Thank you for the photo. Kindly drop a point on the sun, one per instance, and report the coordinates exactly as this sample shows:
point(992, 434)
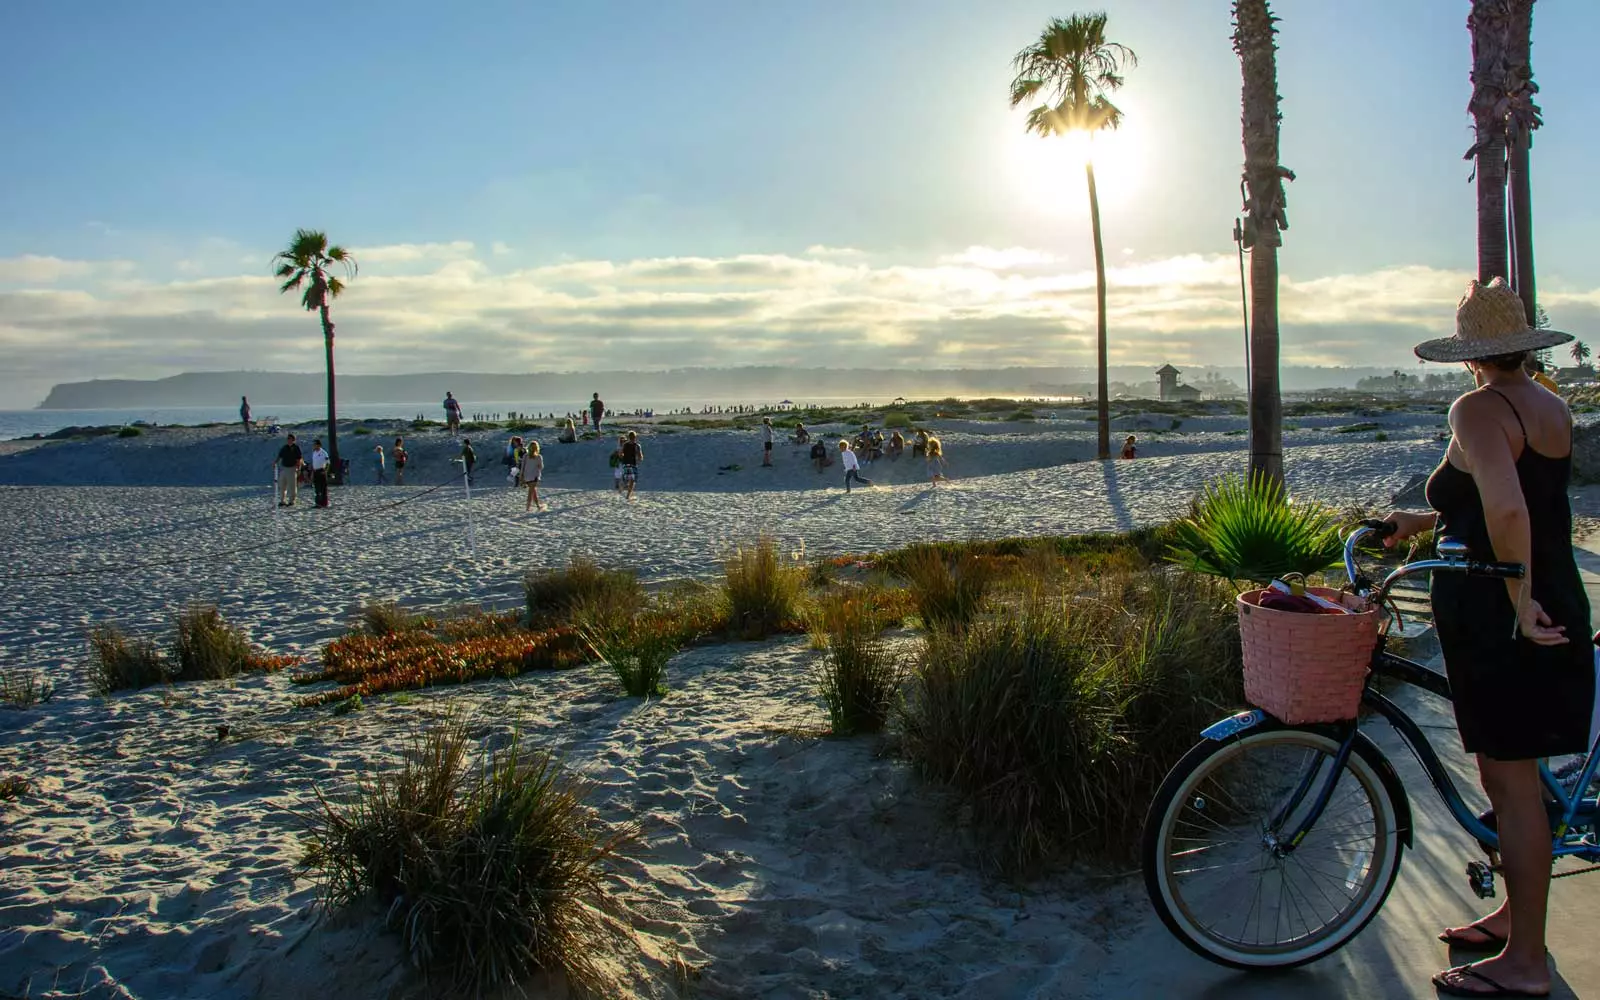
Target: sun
point(1047, 172)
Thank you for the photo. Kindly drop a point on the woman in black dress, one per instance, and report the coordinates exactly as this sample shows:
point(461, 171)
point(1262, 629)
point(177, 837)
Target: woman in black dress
point(1517, 651)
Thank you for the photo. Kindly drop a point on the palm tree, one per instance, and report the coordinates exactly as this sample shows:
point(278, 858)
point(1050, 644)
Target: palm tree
point(1264, 206)
point(1491, 24)
point(1073, 67)
point(1581, 354)
point(307, 262)
point(1523, 117)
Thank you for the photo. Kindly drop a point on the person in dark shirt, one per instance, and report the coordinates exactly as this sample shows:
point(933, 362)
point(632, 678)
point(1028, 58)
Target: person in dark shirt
point(632, 455)
point(244, 413)
point(469, 458)
point(597, 410)
point(288, 472)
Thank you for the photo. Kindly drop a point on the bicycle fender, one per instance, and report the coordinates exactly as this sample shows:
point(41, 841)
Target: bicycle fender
point(1233, 725)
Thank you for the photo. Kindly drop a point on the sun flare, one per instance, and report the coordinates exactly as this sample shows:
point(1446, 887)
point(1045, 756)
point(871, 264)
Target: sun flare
point(1047, 171)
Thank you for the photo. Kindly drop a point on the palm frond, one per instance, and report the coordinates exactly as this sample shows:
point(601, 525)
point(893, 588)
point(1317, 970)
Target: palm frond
point(335, 287)
point(293, 282)
point(345, 257)
point(1073, 65)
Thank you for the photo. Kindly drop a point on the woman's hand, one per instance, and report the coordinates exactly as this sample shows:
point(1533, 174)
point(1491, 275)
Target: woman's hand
point(1407, 523)
point(1537, 627)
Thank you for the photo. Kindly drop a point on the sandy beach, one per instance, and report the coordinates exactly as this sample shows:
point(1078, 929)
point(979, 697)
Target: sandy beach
point(153, 859)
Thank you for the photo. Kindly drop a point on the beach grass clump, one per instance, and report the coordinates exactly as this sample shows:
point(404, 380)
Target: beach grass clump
point(388, 618)
point(489, 868)
point(553, 594)
point(765, 591)
point(24, 688)
point(860, 676)
point(636, 645)
point(129, 432)
point(1241, 530)
point(120, 662)
point(13, 787)
point(207, 647)
point(369, 665)
point(949, 590)
point(896, 420)
point(1056, 723)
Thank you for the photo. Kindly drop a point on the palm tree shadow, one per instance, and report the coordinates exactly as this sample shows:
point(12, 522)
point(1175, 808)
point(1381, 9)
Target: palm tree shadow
point(1119, 507)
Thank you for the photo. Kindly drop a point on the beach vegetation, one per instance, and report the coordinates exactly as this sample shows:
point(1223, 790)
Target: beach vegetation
point(350, 704)
point(860, 676)
point(1056, 723)
point(1380, 436)
point(387, 618)
point(129, 432)
point(1022, 415)
point(13, 787)
point(362, 431)
point(551, 595)
point(636, 645)
point(948, 589)
point(896, 420)
point(1248, 530)
point(206, 647)
point(765, 590)
point(307, 263)
point(489, 868)
point(1361, 428)
point(120, 662)
point(24, 688)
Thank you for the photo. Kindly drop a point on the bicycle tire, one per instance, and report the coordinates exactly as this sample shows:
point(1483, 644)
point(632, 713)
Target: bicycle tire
point(1366, 764)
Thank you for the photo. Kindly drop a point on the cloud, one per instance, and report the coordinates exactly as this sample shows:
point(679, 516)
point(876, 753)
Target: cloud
point(428, 306)
point(499, 249)
point(833, 253)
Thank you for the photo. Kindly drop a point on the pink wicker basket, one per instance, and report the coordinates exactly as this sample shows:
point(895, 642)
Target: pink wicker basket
point(1303, 667)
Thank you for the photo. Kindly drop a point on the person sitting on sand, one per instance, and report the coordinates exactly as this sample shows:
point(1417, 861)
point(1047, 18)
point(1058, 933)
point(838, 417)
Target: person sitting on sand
point(569, 433)
point(934, 454)
point(819, 455)
point(469, 458)
point(1130, 447)
point(377, 463)
point(287, 469)
point(766, 442)
point(398, 453)
point(897, 446)
point(532, 472)
point(244, 413)
point(632, 455)
point(852, 466)
point(801, 435)
point(919, 444)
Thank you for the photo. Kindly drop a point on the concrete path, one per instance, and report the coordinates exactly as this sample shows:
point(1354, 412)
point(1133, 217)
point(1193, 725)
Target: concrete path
point(1397, 953)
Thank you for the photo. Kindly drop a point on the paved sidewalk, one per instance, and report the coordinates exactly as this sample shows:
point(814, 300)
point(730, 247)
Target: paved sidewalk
point(1397, 953)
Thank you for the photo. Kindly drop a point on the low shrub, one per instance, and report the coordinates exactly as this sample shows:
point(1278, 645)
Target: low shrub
point(1380, 436)
point(636, 646)
point(1022, 415)
point(552, 594)
point(764, 590)
point(361, 431)
point(948, 590)
point(24, 688)
point(207, 647)
point(13, 787)
point(129, 432)
point(1250, 531)
point(896, 420)
point(860, 678)
point(119, 662)
point(1056, 723)
point(387, 618)
point(489, 870)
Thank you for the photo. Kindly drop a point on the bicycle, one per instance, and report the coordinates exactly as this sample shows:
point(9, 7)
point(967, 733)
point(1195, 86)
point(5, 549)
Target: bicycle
point(1270, 846)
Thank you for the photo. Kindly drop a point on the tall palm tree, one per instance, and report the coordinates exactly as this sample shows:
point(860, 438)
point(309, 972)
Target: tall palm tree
point(1266, 218)
point(1492, 27)
point(1523, 117)
point(1581, 353)
point(1072, 67)
point(307, 262)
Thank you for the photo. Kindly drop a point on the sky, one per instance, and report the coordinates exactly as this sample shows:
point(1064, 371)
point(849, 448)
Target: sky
point(610, 184)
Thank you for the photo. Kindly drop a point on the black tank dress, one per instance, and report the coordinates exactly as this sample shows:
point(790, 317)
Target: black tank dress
point(1514, 699)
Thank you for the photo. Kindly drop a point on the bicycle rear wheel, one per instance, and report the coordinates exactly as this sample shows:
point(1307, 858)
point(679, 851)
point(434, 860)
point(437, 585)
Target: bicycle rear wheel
point(1219, 874)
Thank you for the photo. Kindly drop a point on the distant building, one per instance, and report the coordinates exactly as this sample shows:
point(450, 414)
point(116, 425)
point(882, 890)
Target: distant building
point(1171, 390)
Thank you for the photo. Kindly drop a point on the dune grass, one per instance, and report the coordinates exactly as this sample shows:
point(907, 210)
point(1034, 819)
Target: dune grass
point(206, 647)
point(24, 688)
point(1056, 721)
point(948, 589)
point(636, 645)
point(489, 868)
point(765, 591)
point(860, 678)
point(120, 662)
point(552, 595)
point(13, 787)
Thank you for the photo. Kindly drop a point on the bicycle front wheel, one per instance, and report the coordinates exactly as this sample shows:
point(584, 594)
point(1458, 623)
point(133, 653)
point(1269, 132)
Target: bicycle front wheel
point(1221, 873)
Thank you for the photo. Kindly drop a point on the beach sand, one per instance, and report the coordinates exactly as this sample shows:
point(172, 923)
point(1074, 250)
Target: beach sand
point(153, 859)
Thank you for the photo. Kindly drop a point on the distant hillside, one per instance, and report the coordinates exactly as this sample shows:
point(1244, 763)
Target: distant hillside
point(708, 385)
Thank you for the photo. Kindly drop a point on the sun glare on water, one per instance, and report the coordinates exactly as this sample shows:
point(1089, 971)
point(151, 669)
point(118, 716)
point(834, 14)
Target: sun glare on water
point(1047, 172)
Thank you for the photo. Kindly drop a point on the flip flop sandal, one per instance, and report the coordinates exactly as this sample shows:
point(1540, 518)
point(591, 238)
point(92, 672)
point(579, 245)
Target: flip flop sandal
point(1483, 939)
point(1448, 988)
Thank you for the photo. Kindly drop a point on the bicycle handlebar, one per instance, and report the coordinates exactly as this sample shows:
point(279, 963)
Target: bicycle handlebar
point(1451, 562)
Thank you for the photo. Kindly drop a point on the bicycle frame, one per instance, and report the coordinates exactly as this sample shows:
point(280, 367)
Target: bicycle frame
point(1565, 810)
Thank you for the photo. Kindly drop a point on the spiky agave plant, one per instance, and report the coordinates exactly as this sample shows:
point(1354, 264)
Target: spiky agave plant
point(1248, 530)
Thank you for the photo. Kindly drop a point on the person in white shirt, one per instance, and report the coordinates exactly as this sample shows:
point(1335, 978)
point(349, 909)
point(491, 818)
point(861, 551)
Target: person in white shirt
point(766, 442)
point(319, 472)
point(852, 466)
point(532, 470)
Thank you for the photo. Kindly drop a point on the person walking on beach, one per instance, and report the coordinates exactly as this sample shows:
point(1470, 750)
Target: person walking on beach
point(935, 459)
point(512, 460)
point(244, 413)
point(852, 465)
point(377, 463)
point(1130, 448)
point(469, 458)
point(398, 453)
point(319, 472)
point(632, 455)
point(597, 410)
point(452, 414)
point(532, 472)
point(288, 471)
point(616, 463)
point(766, 442)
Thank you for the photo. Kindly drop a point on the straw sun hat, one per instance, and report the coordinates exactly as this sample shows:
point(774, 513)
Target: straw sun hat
point(1489, 322)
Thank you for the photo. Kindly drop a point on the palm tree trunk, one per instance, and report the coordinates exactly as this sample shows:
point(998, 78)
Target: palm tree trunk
point(335, 474)
point(1493, 258)
point(1263, 175)
point(1489, 25)
point(1520, 193)
point(1103, 416)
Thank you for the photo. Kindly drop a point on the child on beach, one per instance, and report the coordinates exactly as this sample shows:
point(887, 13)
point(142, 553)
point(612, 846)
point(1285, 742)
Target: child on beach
point(398, 453)
point(532, 471)
point(897, 445)
point(919, 444)
point(852, 466)
point(469, 458)
point(766, 442)
point(616, 462)
point(569, 433)
point(935, 457)
point(632, 455)
point(377, 463)
point(1130, 447)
